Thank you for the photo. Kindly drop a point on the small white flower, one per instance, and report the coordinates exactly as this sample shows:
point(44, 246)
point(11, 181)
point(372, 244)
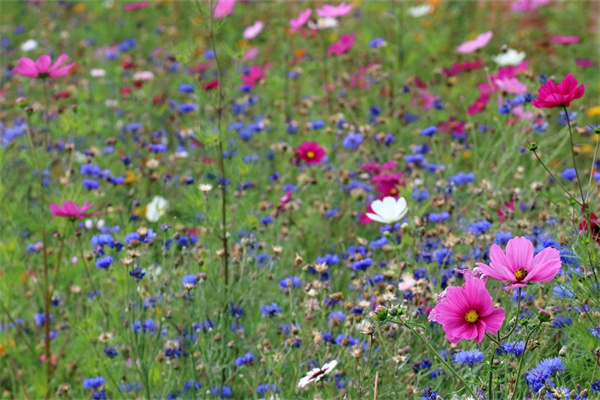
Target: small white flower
point(388, 210)
point(420, 11)
point(156, 209)
point(324, 23)
point(29, 45)
point(97, 73)
point(143, 76)
point(509, 57)
point(316, 374)
point(205, 187)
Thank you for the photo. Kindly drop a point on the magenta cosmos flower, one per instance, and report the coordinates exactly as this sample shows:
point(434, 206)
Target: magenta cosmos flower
point(43, 67)
point(297, 23)
point(224, 8)
point(475, 44)
point(343, 45)
point(310, 152)
point(551, 95)
point(468, 312)
point(518, 266)
point(71, 210)
point(253, 30)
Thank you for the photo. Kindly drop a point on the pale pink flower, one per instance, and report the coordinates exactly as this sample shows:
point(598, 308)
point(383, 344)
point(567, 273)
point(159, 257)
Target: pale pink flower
point(565, 39)
point(511, 85)
point(528, 5)
point(335, 11)
point(42, 67)
point(468, 312)
point(250, 54)
point(518, 266)
point(475, 44)
point(135, 6)
point(299, 22)
point(253, 30)
point(224, 8)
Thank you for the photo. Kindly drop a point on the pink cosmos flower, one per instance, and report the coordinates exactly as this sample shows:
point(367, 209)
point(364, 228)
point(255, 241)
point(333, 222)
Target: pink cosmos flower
point(518, 266)
point(42, 68)
point(585, 62)
point(479, 104)
point(135, 6)
point(253, 30)
point(551, 95)
point(71, 210)
point(343, 45)
point(254, 75)
point(387, 184)
point(310, 152)
point(528, 5)
point(334, 11)
point(565, 39)
point(468, 312)
point(224, 8)
point(250, 54)
point(424, 100)
point(511, 85)
point(475, 44)
point(375, 168)
point(299, 22)
point(457, 68)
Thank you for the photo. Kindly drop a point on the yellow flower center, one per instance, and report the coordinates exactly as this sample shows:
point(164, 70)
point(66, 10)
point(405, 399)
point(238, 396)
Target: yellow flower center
point(520, 274)
point(471, 316)
point(310, 155)
point(394, 191)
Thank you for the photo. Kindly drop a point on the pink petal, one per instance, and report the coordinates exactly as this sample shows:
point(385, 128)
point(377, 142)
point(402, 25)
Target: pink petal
point(43, 63)
point(519, 251)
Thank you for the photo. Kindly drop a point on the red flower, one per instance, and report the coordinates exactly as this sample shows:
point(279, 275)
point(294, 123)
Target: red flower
point(551, 95)
point(310, 152)
point(594, 223)
point(211, 85)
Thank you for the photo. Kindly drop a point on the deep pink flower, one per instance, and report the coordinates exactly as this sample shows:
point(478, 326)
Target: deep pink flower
point(334, 11)
point(343, 45)
point(585, 62)
point(299, 22)
point(423, 99)
point(387, 184)
point(375, 168)
point(551, 95)
point(254, 75)
point(135, 6)
point(42, 67)
point(310, 152)
point(479, 104)
point(518, 266)
point(71, 210)
point(475, 44)
point(468, 312)
point(224, 8)
point(565, 39)
point(457, 68)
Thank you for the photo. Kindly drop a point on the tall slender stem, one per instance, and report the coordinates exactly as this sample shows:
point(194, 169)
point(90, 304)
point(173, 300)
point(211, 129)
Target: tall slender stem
point(516, 318)
point(523, 357)
point(553, 177)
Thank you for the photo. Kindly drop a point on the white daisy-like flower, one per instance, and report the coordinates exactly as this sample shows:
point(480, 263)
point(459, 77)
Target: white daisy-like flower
point(156, 209)
point(509, 57)
point(324, 23)
point(98, 73)
point(388, 210)
point(205, 187)
point(29, 45)
point(420, 11)
point(143, 76)
point(316, 374)
point(408, 281)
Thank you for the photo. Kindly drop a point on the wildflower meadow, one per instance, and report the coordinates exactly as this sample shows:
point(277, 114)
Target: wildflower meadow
point(300, 199)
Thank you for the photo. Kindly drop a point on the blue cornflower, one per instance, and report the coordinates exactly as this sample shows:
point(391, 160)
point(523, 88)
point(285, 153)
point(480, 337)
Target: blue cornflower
point(353, 140)
point(569, 174)
point(90, 184)
point(468, 357)
point(291, 282)
point(339, 316)
point(318, 124)
point(516, 348)
point(462, 178)
point(362, 265)
point(111, 352)
point(596, 331)
point(93, 383)
point(377, 42)
point(270, 310)
point(420, 194)
point(537, 377)
point(236, 311)
point(104, 262)
point(137, 273)
point(186, 88)
point(479, 227)
point(189, 281)
point(429, 131)
point(223, 392)
point(247, 358)
point(429, 394)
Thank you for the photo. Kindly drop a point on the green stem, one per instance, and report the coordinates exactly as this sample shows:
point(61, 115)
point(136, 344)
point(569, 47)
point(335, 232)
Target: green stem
point(555, 180)
point(523, 357)
point(516, 318)
point(428, 344)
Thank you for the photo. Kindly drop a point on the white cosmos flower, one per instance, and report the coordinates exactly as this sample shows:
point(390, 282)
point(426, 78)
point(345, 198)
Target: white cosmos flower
point(315, 374)
point(509, 57)
point(29, 45)
point(324, 23)
point(156, 209)
point(420, 11)
point(388, 210)
point(97, 73)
